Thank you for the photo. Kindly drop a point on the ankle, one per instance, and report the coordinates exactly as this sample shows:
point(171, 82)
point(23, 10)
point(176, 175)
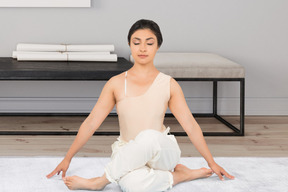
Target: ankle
point(177, 178)
point(104, 179)
point(99, 183)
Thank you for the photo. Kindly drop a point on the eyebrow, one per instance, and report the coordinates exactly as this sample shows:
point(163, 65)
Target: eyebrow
point(140, 39)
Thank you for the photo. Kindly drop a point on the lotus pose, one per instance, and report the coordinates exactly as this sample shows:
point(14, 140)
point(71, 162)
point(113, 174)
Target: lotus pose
point(145, 156)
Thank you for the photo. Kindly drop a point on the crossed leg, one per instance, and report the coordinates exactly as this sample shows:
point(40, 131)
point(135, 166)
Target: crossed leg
point(146, 146)
point(181, 174)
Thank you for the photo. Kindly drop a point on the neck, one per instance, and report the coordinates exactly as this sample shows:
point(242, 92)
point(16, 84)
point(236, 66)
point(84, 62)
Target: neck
point(145, 69)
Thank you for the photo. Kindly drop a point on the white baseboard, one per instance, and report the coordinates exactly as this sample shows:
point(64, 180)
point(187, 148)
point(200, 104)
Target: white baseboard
point(226, 106)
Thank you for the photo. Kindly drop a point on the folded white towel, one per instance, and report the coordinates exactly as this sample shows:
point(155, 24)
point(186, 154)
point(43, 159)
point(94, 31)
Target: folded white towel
point(62, 47)
point(40, 47)
point(106, 58)
point(46, 56)
point(58, 56)
point(109, 48)
point(16, 53)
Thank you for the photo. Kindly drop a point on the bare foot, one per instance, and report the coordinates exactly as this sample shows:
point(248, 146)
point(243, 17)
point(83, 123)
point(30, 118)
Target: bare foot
point(182, 173)
point(76, 183)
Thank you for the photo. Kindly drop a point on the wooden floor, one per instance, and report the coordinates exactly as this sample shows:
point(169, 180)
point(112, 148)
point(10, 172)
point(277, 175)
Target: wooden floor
point(264, 137)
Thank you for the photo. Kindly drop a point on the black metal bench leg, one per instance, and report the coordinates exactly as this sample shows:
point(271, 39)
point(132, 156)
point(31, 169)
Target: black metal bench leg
point(236, 131)
point(215, 114)
point(242, 106)
point(215, 97)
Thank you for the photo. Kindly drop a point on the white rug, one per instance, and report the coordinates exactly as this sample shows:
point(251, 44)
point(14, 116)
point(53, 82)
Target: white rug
point(25, 174)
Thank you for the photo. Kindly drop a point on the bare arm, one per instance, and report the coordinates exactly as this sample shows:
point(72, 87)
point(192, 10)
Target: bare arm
point(100, 111)
point(181, 111)
point(98, 114)
point(178, 106)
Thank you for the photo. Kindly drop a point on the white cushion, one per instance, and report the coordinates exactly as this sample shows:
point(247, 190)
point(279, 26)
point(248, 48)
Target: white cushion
point(197, 65)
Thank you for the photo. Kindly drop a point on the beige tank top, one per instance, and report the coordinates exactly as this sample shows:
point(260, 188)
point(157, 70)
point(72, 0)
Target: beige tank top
point(146, 111)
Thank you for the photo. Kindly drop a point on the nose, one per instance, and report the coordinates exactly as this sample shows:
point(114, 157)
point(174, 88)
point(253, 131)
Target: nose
point(143, 47)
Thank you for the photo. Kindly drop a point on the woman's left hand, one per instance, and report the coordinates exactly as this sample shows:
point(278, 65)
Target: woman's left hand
point(218, 170)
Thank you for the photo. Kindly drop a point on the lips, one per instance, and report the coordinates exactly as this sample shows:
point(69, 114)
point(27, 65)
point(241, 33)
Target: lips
point(142, 56)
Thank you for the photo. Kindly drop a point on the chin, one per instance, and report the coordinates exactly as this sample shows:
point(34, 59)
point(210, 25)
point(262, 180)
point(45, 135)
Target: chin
point(143, 61)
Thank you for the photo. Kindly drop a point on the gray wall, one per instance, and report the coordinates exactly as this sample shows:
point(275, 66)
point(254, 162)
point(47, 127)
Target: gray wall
point(251, 33)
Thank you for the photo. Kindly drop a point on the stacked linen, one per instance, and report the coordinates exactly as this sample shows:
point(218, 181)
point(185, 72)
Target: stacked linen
point(61, 52)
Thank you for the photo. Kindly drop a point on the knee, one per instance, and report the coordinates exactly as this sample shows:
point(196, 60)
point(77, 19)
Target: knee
point(134, 187)
point(131, 185)
point(146, 180)
point(136, 181)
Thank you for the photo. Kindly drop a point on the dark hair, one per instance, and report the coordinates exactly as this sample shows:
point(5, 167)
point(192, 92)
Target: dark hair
point(146, 24)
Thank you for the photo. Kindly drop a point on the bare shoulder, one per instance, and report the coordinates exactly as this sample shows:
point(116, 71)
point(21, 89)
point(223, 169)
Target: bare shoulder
point(175, 88)
point(116, 86)
point(114, 81)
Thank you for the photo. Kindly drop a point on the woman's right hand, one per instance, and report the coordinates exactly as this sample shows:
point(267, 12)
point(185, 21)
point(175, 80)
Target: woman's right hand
point(63, 166)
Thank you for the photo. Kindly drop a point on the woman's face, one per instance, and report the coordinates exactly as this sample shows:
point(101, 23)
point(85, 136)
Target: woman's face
point(143, 45)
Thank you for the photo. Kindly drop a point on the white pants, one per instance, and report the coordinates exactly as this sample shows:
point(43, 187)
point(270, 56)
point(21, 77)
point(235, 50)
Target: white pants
point(144, 164)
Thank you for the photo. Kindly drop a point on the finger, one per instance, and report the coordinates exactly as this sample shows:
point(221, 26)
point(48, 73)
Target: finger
point(220, 176)
point(228, 175)
point(63, 174)
point(51, 174)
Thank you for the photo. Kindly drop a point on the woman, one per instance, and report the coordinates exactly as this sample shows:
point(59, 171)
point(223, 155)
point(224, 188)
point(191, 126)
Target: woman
point(145, 157)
